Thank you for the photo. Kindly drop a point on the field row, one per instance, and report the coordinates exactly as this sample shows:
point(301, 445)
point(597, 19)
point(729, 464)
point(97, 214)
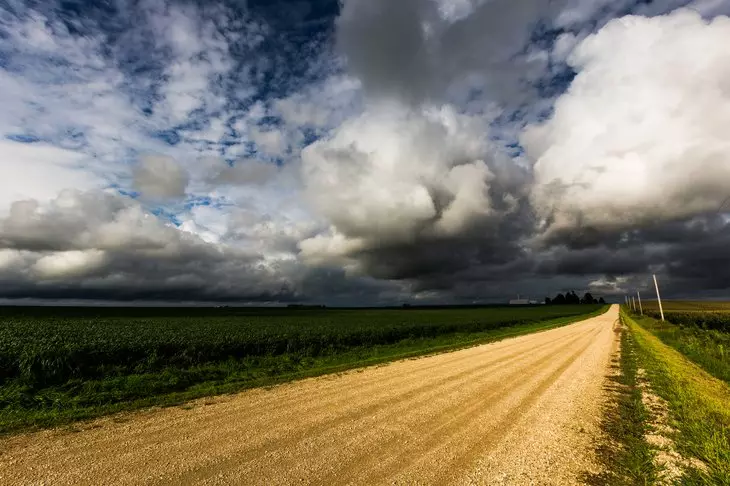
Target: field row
point(718, 321)
point(707, 315)
point(687, 306)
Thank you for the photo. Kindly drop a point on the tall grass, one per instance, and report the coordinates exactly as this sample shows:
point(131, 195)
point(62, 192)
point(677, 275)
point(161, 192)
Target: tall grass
point(702, 344)
point(699, 405)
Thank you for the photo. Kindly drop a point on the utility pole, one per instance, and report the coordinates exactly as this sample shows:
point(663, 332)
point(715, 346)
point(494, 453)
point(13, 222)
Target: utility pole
point(641, 310)
point(658, 298)
point(633, 304)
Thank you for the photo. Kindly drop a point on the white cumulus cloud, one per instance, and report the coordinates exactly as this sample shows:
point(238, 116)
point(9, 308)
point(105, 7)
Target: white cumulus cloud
point(641, 134)
point(395, 175)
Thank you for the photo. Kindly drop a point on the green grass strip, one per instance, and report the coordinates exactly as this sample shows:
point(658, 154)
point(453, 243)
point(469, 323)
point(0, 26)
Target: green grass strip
point(699, 406)
point(627, 456)
point(708, 348)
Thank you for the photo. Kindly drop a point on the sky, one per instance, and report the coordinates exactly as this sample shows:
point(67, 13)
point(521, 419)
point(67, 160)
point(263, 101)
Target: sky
point(362, 152)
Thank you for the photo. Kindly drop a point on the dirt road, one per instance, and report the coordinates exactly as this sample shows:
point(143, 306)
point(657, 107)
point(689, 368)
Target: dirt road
point(519, 411)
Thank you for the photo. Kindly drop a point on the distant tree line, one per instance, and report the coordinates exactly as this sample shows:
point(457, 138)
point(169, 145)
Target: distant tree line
point(572, 298)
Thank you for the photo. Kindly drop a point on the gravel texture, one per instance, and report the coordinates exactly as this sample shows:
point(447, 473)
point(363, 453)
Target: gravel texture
point(525, 410)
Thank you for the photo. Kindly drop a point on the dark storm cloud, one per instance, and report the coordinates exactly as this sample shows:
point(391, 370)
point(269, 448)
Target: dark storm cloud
point(410, 51)
point(148, 291)
point(434, 259)
point(700, 258)
point(599, 260)
point(689, 256)
point(481, 252)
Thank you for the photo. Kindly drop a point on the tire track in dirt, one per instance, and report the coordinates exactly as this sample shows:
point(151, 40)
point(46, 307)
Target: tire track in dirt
point(410, 402)
point(451, 433)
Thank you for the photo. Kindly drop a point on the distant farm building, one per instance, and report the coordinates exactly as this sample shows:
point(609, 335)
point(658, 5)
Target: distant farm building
point(522, 301)
point(519, 301)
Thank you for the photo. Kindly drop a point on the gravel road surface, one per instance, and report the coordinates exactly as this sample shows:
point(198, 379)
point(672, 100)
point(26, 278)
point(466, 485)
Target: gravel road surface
point(524, 410)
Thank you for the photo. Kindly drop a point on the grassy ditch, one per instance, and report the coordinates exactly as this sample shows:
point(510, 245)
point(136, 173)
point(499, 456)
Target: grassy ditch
point(707, 347)
point(699, 405)
point(39, 399)
point(628, 457)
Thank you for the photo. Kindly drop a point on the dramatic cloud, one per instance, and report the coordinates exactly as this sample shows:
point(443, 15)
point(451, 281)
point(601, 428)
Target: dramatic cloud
point(416, 50)
point(368, 152)
point(411, 192)
point(406, 173)
point(639, 137)
point(111, 247)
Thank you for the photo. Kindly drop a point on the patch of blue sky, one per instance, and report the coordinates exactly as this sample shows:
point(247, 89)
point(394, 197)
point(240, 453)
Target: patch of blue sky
point(301, 32)
point(170, 136)
point(228, 141)
point(4, 56)
point(23, 138)
point(514, 149)
point(191, 130)
point(45, 69)
point(310, 135)
point(250, 149)
point(206, 201)
point(543, 36)
point(270, 121)
point(166, 215)
point(510, 117)
point(557, 84)
point(597, 16)
point(144, 96)
point(124, 192)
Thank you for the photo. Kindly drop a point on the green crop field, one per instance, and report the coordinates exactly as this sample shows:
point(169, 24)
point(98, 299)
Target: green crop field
point(62, 364)
point(687, 306)
point(700, 330)
point(708, 315)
